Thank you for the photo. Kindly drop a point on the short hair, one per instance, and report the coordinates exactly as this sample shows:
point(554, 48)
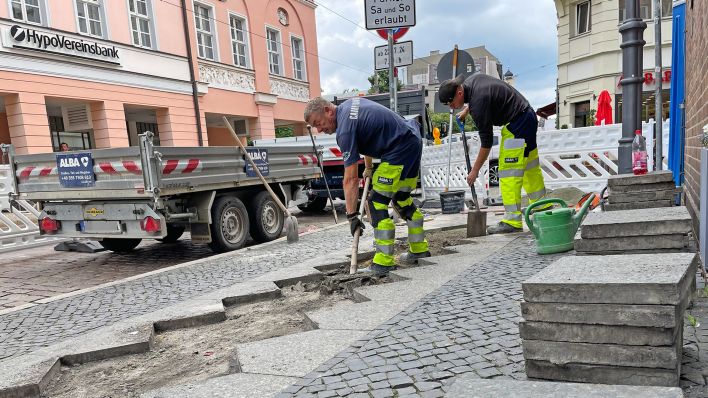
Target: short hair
point(316, 105)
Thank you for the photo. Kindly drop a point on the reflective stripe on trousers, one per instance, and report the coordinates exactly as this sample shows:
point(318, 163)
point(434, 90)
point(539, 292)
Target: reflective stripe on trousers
point(517, 171)
point(387, 182)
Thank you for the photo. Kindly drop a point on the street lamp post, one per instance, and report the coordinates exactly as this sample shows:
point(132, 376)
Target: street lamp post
point(632, 30)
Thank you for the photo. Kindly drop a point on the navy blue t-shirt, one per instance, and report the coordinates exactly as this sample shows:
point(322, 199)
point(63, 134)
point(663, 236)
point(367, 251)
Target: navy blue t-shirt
point(367, 128)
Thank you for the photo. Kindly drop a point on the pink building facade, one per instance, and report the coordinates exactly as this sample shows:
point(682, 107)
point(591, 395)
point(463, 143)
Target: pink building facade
point(96, 73)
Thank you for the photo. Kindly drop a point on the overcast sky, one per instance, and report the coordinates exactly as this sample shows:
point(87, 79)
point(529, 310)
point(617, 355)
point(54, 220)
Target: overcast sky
point(521, 33)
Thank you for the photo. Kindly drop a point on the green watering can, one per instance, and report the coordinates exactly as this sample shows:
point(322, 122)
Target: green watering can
point(555, 229)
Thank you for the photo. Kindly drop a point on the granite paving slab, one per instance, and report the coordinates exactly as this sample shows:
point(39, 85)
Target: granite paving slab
point(240, 385)
point(658, 186)
point(294, 354)
point(652, 204)
point(630, 179)
point(631, 243)
point(598, 334)
point(561, 353)
point(656, 316)
point(658, 221)
point(466, 386)
point(27, 376)
point(603, 374)
point(620, 279)
point(641, 196)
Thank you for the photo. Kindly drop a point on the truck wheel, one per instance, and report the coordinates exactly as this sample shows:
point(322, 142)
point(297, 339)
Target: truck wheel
point(493, 174)
point(265, 217)
point(229, 227)
point(174, 232)
point(119, 245)
point(314, 206)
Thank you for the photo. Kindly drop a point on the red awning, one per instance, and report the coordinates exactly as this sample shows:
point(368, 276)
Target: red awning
point(547, 110)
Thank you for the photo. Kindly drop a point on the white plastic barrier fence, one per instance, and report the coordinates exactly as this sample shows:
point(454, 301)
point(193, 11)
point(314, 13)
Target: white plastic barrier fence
point(433, 177)
point(18, 223)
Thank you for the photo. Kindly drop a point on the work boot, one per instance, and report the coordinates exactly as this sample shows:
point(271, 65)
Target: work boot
point(503, 228)
point(412, 258)
point(377, 270)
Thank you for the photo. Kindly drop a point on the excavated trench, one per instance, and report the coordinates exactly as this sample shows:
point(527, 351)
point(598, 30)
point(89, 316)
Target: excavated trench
point(199, 353)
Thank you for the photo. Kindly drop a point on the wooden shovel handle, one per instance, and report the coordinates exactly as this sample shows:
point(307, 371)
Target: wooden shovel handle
point(355, 245)
point(255, 169)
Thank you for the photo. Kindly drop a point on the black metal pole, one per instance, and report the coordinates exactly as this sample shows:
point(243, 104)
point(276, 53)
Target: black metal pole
point(632, 30)
point(190, 59)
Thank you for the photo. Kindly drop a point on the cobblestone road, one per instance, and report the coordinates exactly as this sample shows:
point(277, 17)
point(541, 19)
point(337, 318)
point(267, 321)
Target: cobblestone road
point(31, 328)
point(470, 325)
point(31, 275)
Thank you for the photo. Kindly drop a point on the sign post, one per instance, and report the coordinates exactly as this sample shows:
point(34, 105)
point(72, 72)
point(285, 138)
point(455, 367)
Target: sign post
point(402, 55)
point(383, 14)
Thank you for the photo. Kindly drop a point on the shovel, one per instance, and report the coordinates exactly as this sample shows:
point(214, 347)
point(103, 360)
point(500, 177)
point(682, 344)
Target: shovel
point(291, 226)
point(324, 177)
point(355, 245)
point(476, 220)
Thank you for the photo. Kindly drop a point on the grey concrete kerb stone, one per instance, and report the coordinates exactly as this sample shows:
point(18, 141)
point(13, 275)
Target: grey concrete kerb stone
point(641, 222)
point(466, 386)
point(649, 178)
point(662, 279)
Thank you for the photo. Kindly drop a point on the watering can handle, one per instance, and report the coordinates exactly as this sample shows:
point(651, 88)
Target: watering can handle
point(527, 213)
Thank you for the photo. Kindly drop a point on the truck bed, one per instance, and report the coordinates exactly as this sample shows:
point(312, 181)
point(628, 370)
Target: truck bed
point(118, 172)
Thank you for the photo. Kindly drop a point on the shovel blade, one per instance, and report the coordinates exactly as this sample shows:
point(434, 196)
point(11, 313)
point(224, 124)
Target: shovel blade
point(476, 224)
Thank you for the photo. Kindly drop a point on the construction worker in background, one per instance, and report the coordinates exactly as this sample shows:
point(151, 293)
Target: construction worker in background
point(492, 102)
point(366, 128)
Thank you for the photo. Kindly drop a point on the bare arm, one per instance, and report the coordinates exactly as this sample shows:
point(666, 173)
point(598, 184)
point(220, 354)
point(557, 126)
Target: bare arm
point(478, 162)
point(351, 187)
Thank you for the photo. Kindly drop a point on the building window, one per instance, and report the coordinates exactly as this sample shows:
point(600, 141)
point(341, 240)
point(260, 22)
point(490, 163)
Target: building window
point(582, 18)
point(646, 8)
point(30, 11)
point(90, 15)
point(239, 43)
point(74, 140)
point(581, 114)
point(298, 58)
point(273, 42)
point(205, 31)
point(141, 24)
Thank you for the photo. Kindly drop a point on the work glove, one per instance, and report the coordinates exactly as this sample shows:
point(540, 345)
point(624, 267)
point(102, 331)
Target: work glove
point(368, 173)
point(355, 223)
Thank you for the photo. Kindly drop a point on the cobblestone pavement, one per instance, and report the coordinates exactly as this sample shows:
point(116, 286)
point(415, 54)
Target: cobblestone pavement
point(32, 275)
point(27, 329)
point(469, 325)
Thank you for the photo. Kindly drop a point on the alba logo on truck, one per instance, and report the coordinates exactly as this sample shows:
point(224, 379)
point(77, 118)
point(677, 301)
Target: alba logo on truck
point(35, 40)
point(74, 162)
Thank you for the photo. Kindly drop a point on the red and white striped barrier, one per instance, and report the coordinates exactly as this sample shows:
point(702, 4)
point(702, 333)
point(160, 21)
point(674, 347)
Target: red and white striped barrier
point(307, 159)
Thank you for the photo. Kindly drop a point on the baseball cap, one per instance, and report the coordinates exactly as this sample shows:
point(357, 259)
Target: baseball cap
point(446, 92)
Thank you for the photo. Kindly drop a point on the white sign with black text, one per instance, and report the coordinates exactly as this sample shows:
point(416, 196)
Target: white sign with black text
point(26, 38)
point(402, 55)
point(388, 14)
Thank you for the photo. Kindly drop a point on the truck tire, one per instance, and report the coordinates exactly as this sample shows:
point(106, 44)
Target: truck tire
point(119, 245)
point(265, 217)
point(229, 227)
point(315, 205)
point(174, 232)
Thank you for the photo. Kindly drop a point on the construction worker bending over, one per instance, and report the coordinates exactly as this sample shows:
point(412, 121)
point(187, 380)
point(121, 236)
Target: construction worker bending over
point(492, 102)
point(366, 128)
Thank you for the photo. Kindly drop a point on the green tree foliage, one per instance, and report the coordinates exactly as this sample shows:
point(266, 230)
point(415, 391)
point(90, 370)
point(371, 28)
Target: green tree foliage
point(284, 131)
point(438, 119)
point(380, 86)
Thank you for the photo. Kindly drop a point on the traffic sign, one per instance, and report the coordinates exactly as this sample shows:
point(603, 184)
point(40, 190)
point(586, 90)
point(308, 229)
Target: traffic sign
point(397, 33)
point(381, 14)
point(402, 55)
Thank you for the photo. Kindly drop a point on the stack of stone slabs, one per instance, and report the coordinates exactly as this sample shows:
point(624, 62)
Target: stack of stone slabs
point(627, 191)
point(635, 231)
point(608, 319)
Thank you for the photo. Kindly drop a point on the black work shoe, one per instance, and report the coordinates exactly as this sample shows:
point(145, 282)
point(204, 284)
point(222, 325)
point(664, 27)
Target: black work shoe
point(377, 270)
point(503, 228)
point(412, 258)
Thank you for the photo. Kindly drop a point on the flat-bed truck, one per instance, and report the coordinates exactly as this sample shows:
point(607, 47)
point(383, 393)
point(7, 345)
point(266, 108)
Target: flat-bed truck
point(119, 196)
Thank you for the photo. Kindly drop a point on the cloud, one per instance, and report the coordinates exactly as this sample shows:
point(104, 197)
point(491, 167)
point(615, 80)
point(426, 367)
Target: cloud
point(521, 33)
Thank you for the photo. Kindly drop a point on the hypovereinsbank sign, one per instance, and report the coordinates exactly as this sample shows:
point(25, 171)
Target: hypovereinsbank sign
point(31, 39)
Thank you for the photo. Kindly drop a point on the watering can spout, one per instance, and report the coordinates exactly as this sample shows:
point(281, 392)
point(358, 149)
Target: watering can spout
point(580, 215)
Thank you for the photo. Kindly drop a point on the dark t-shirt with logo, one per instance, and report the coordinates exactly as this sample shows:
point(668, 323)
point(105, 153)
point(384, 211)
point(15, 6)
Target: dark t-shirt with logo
point(367, 128)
